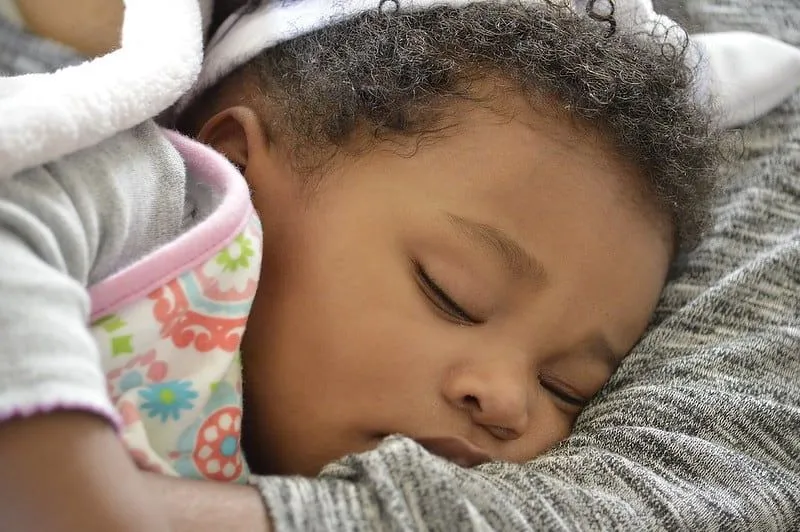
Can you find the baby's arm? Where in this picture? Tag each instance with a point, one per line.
(202, 506)
(63, 466)
(67, 471)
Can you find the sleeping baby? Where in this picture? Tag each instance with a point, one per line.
(445, 220)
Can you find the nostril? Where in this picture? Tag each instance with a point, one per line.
(471, 403)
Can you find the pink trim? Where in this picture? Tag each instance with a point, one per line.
(40, 410)
(192, 248)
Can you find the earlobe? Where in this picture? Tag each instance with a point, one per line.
(235, 132)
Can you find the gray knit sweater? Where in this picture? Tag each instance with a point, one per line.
(699, 429)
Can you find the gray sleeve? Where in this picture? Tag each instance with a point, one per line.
(63, 227)
(700, 427)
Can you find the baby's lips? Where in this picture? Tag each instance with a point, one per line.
(457, 450)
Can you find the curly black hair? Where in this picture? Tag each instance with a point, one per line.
(388, 71)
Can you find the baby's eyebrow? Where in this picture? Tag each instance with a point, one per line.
(522, 264)
(518, 261)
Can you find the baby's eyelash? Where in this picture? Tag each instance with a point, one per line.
(440, 297)
(564, 396)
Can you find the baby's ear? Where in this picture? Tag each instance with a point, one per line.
(236, 133)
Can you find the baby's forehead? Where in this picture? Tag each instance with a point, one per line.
(545, 120)
(550, 143)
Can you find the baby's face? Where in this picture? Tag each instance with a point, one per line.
(483, 289)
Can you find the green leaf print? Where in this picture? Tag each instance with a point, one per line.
(237, 255)
(111, 323)
(121, 344)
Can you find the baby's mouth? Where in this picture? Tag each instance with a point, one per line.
(457, 450)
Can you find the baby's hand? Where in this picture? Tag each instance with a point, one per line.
(68, 471)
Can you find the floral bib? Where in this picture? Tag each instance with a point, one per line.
(169, 329)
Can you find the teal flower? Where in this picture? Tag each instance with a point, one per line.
(168, 399)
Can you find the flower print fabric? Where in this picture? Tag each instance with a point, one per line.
(166, 400)
(173, 367)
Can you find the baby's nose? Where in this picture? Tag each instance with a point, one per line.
(504, 413)
(495, 398)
